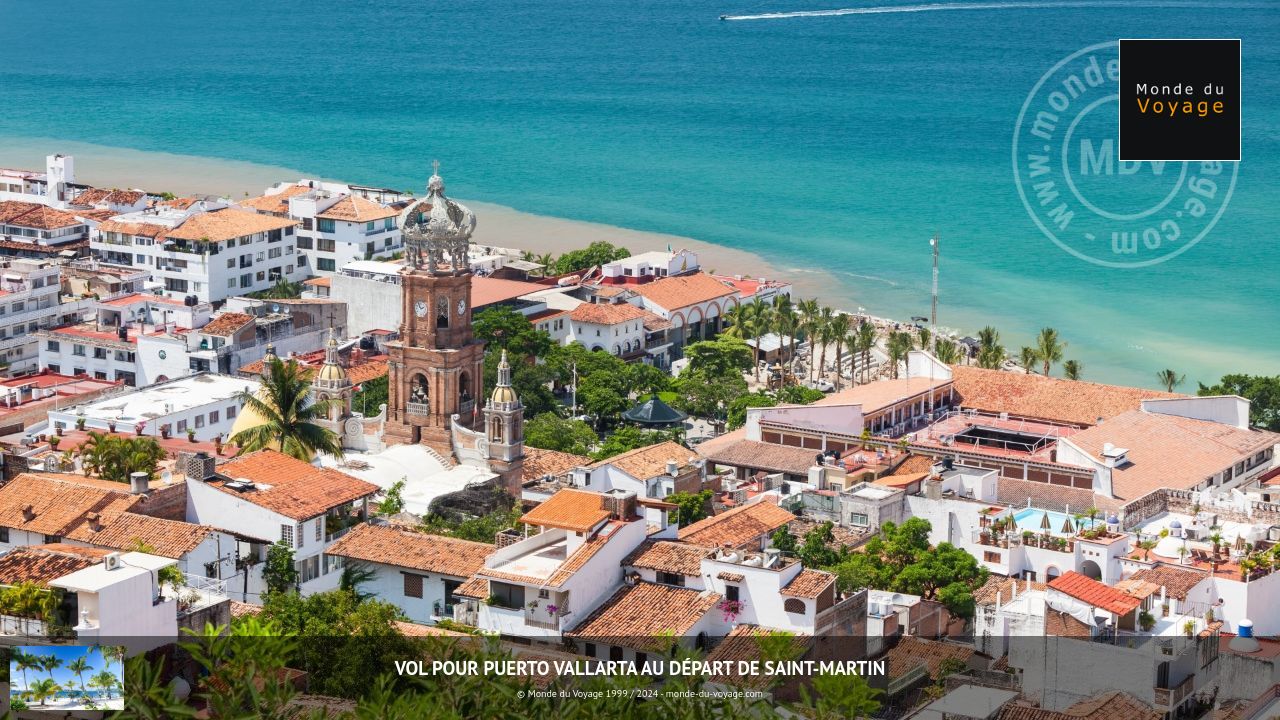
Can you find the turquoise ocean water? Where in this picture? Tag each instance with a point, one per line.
(822, 143)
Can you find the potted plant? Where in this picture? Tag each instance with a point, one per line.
(1164, 610)
(80, 423)
(191, 435)
(1208, 616)
(1146, 621)
(1189, 627)
(532, 605)
(58, 429)
(138, 428)
(1028, 536)
(165, 430)
(53, 442)
(111, 426)
(731, 609)
(217, 443)
(553, 610)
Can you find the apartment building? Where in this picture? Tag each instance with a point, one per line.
(338, 225)
(31, 301)
(205, 251)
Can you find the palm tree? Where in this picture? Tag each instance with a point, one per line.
(42, 690)
(947, 352)
(355, 574)
(79, 666)
(751, 321)
(1071, 369)
(1028, 358)
(787, 322)
(1170, 379)
(865, 342)
(1050, 347)
(1146, 546)
(49, 663)
(809, 312)
(990, 351)
(104, 680)
(900, 343)
(290, 423)
(821, 333)
(546, 260)
(25, 661)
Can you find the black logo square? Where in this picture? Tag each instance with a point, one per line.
(1179, 100)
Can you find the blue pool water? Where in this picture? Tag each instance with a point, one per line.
(1031, 519)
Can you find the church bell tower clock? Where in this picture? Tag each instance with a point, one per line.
(437, 366)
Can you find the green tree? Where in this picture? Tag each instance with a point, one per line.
(529, 378)
(900, 344)
(1049, 347)
(705, 395)
(864, 342)
(736, 414)
(79, 667)
(990, 352)
(49, 663)
(290, 419)
(751, 321)
(279, 573)
(798, 395)
(549, 431)
(393, 500)
(1169, 379)
(947, 351)
(783, 541)
(826, 331)
(627, 438)
(116, 457)
(840, 697)
(817, 550)
(479, 529)
(1263, 393)
(720, 358)
(692, 507)
(786, 322)
(23, 661)
(355, 574)
(371, 396)
(282, 290)
(503, 328)
(42, 690)
(1028, 358)
(644, 379)
(1071, 369)
(596, 254)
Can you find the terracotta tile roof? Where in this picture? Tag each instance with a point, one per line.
(275, 203)
(98, 196)
(141, 298)
(602, 314)
(731, 577)
(1177, 581)
(668, 556)
(180, 203)
(915, 464)
(1087, 590)
(476, 587)
(654, 322)
(757, 455)
(809, 583)
(912, 652)
(546, 315)
(1046, 398)
(35, 215)
(742, 645)
(738, 526)
(569, 509)
(998, 584)
(650, 460)
(1115, 705)
(1167, 451)
(414, 550)
(490, 290)
(52, 507)
(369, 367)
(409, 629)
(123, 531)
(882, 394)
(1137, 587)
(638, 615)
(354, 208)
(582, 555)
(539, 463)
(226, 324)
(38, 565)
(239, 609)
(1048, 496)
(901, 481)
(673, 293)
(291, 487)
(142, 229)
(319, 282)
(226, 224)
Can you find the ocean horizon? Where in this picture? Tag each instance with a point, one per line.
(830, 146)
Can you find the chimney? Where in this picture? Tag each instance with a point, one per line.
(28, 513)
(621, 503)
(199, 466)
(673, 468)
(95, 521)
(138, 483)
(933, 488)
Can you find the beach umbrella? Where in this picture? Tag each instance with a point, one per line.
(1044, 522)
(1067, 527)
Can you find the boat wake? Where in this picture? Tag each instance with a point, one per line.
(932, 7)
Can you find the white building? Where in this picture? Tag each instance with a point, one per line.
(267, 497)
(416, 572)
(30, 228)
(615, 328)
(31, 301)
(338, 226)
(205, 405)
(204, 250)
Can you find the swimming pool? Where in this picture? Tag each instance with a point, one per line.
(1033, 519)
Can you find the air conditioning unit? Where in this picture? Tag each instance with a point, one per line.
(112, 561)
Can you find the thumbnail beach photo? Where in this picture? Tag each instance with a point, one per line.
(61, 678)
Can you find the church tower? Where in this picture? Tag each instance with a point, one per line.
(437, 366)
(504, 430)
(331, 383)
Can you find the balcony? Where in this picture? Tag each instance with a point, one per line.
(415, 408)
(466, 407)
(1173, 697)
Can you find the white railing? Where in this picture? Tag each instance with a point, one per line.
(414, 408)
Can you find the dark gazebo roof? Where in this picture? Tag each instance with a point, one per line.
(654, 412)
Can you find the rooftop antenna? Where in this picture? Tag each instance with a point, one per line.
(435, 167)
(933, 320)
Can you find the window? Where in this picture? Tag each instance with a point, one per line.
(99, 375)
(368, 227)
(506, 595)
(182, 426)
(309, 569)
(231, 282)
(859, 519)
(324, 245)
(246, 280)
(214, 416)
(199, 421)
(667, 578)
(275, 252)
(302, 538)
(274, 236)
(231, 262)
(4, 534)
(52, 539)
(231, 412)
(326, 264)
(389, 224)
(589, 649)
(304, 243)
(794, 605)
(18, 307)
(53, 346)
(544, 594)
(412, 585)
(54, 368)
(319, 528)
(991, 557)
(324, 225)
(731, 592)
(306, 224)
(286, 531)
(77, 350)
(615, 653)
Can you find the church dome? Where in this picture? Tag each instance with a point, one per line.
(503, 393)
(437, 229)
(331, 373)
